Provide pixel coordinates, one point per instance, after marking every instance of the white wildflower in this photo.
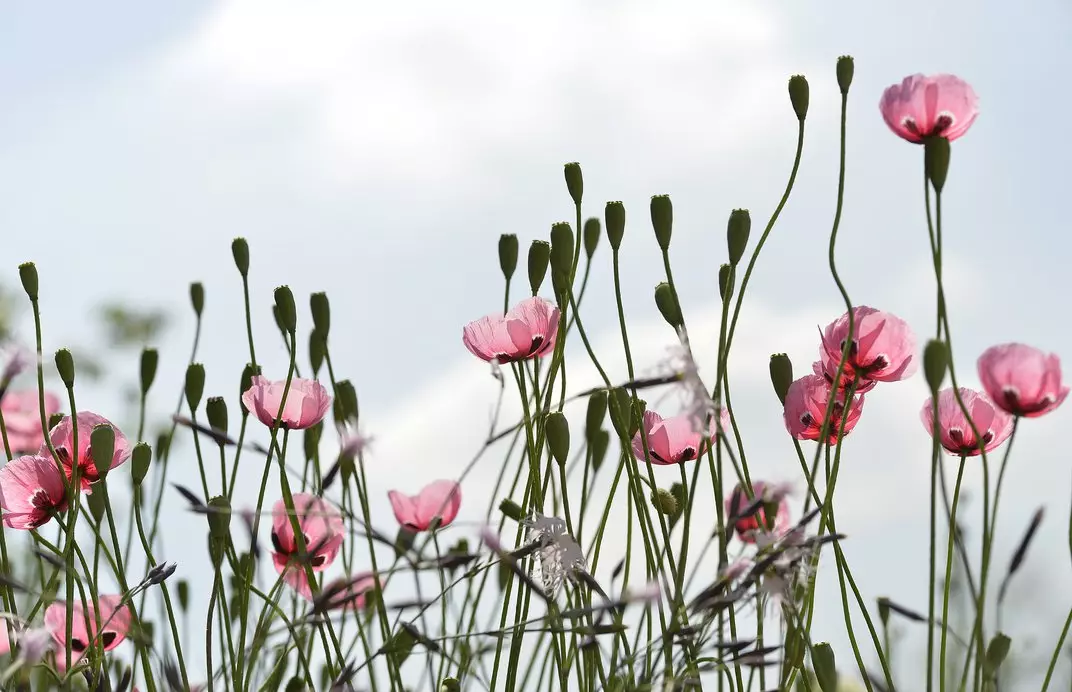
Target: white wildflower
(696, 398)
(559, 554)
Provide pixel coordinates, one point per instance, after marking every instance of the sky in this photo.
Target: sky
(377, 153)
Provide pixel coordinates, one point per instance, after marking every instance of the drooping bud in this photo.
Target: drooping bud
(240, 251)
(662, 219)
(936, 152)
(574, 181)
(935, 363)
(216, 411)
(666, 301)
(558, 437)
(614, 220)
(140, 457)
(592, 230)
(539, 258)
(321, 309)
(65, 367)
(28, 274)
(149, 360)
(195, 384)
(737, 230)
(197, 297)
(845, 69)
(799, 95)
(508, 254)
(597, 411)
(562, 246)
(288, 313)
(511, 509)
(725, 281)
(781, 374)
(102, 448)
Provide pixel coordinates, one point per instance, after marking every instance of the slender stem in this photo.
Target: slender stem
(948, 572)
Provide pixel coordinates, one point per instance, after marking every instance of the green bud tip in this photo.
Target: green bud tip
(508, 248)
(614, 220)
(539, 258)
(799, 95)
(574, 181)
(662, 219)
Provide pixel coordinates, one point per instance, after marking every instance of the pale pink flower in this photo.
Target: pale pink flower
(747, 527)
(527, 331)
(22, 416)
(115, 623)
(929, 106)
(307, 402)
(805, 405)
(31, 491)
(62, 437)
(439, 499)
(955, 432)
(1022, 380)
(883, 346)
(674, 440)
(323, 530)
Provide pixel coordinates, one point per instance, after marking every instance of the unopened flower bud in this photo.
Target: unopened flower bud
(102, 448)
(183, 588)
(245, 382)
(219, 517)
(197, 297)
(562, 246)
(884, 610)
(845, 69)
(592, 230)
(28, 274)
(725, 282)
(149, 360)
(508, 254)
(936, 152)
(97, 506)
(317, 351)
(558, 438)
(614, 220)
(450, 685)
(511, 509)
(65, 367)
(240, 250)
(195, 384)
(539, 258)
(311, 440)
(781, 374)
(321, 309)
(288, 313)
(935, 363)
(597, 411)
(664, 502)
(600, 442)
(799, 95)
(737, 230)
(216, 411)
(662, 219)
(666, 301)
(574, 182)
(348, 395)
(822, 656)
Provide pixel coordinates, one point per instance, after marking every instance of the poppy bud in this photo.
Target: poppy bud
(140, 457)
(614, 219)
(245, 383)
(219, 517)
(183, 588)
(311, 440)
(557, 430)
(574, 181)
(452, 684)
(28, 274)
(240, 250)
(666, 301)
(822, 660)
(737, 230)
(65, 367)
(781, 374)
(97, 506)
(799, 95)
(195, 384)
(288, 313)
(935, 363)
(149, 359)
(592, 229)
(539, 257)
(562, 248)
(845, 68)
(662, 219)
(511, 509)
(316, 351)
(348, 395)
(664, 502)
(321, 309)
(599, 443)
(725, 282)
(216, 410)
(619, 402)
(508, 254)
(936, 161)
(102, 448)
(197, 297)
(597, 411)
(884, 610)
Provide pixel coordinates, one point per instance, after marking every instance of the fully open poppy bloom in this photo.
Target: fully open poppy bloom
(862, 385)
(114, 625)
(805, 405)
(437, 499)
(31, 491)
(955, 432)
(675, 439)
(936, 106)
(22, 416)
(320, 524)
(62, 437)
(1022, 380)
(527, 331)
(748, 523)
(883, 347)
(307, 402)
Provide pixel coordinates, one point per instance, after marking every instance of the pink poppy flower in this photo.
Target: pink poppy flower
(348, 593)
(22, 416)
(62, 436)
(321, 525)
(115, 623)
(937, 106)
(31, 491)
(862, 385)
(955, 432)
(437, 499)
(805, 404)
(883, 348)
(307, 402)
(527, 331)
(1022, 380)
(747, 527)
(675, 439)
